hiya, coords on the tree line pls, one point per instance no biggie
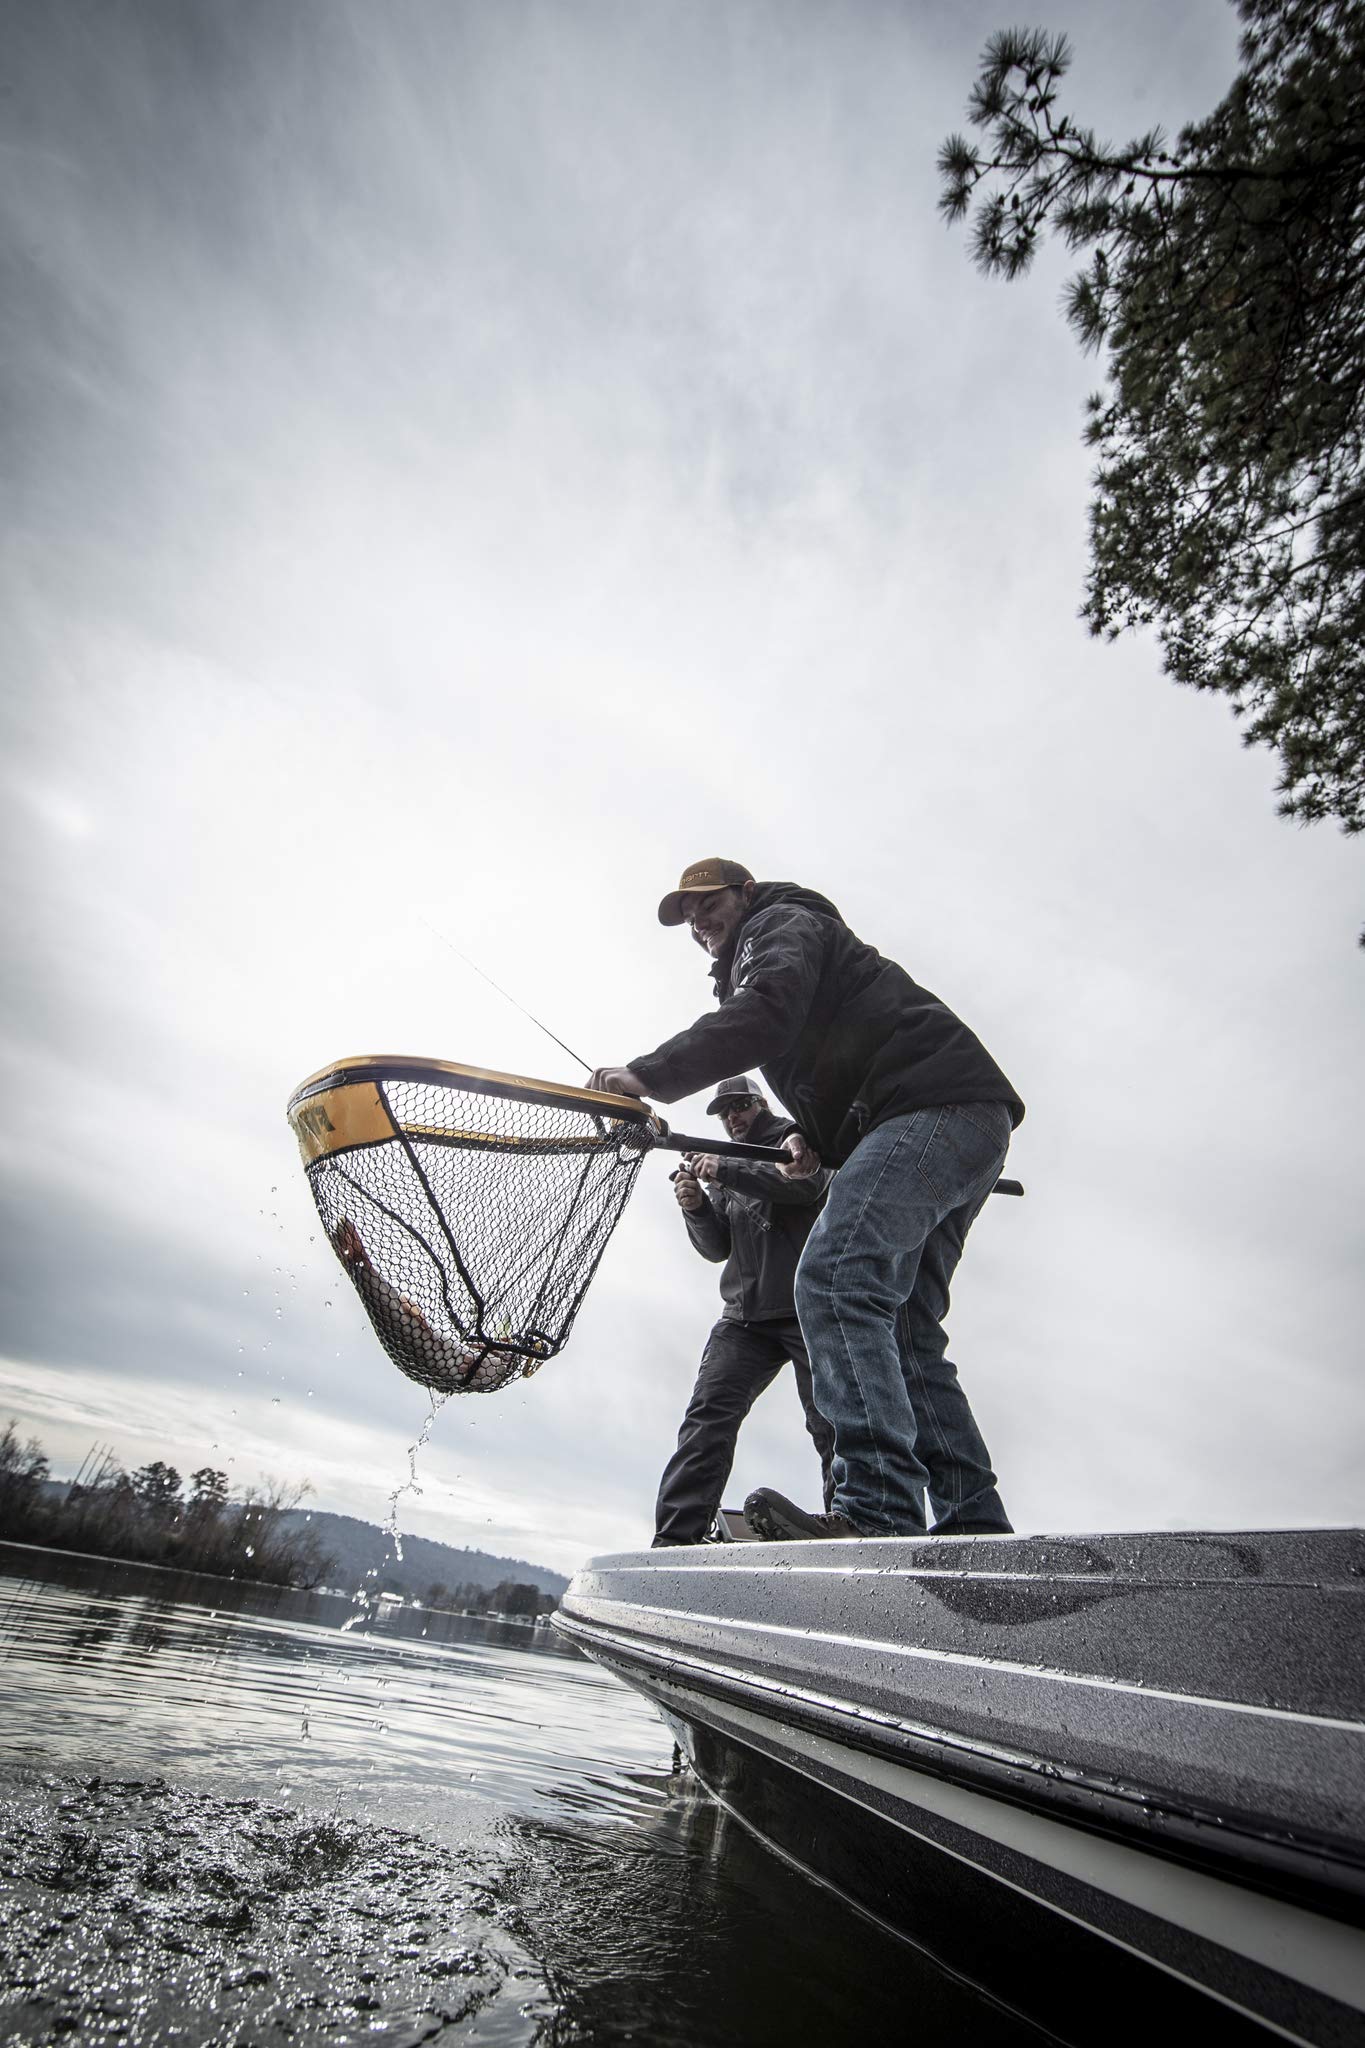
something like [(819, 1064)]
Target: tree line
[(509, 1597), (152, 1516), (149, 1517)]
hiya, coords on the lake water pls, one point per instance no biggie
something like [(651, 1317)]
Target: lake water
[(230, 1818)]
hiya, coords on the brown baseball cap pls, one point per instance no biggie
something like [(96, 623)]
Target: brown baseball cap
[(699, 880)]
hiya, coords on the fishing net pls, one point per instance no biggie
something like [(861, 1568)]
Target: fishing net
[(469, 1209)]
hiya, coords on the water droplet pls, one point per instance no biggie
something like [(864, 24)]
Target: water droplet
[(327, 1304), (279, 1311), (310, 1393), (274, 1400), (251, 1550), (274, 1191)]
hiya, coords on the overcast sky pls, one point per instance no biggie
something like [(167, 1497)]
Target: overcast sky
[(465, 461)]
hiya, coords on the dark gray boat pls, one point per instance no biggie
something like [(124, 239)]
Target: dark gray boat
[(1096, 1776)]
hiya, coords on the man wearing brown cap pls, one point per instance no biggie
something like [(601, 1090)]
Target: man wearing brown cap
[(756, 1219), (887, 1085)]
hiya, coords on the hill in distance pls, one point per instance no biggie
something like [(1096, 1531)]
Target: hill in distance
[(359, 1548)]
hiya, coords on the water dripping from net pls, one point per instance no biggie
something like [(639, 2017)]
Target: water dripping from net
[(412, 1484), (366, 1598)]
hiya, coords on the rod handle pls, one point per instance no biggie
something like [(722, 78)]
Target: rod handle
[(727, 1148)]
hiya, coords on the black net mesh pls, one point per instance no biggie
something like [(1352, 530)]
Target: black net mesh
[(472, 1234)]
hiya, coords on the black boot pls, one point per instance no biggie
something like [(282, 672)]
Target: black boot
[(778, 1520)]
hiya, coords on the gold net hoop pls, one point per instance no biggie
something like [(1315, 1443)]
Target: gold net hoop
[(468, 1207)]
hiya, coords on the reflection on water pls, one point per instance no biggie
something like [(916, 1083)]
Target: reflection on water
[(407, 1716), (229, 1820)]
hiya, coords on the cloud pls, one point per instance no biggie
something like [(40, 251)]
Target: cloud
[(505, 460)]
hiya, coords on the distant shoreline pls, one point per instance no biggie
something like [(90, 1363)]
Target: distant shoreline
[(381, 1602), (155, 1517), (181, 1571)]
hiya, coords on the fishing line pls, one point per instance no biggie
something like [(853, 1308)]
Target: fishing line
[(474, 966)]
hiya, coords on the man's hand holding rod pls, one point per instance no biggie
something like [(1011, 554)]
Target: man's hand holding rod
[(804, 1162)]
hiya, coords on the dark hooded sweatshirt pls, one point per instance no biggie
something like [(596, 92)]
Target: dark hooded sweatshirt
[(758, 1223), (844, 1037)]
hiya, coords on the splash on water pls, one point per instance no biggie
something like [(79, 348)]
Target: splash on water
[(132, 1906)]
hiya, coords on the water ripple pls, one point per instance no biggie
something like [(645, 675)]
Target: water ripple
[(265, 1690)]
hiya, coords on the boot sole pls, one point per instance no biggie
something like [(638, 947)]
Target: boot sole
[(768, 1521), (761, 1519)]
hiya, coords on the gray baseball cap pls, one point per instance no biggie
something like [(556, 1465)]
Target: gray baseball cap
[(739, 1088)]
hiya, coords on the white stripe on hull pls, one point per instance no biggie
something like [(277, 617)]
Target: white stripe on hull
[(628, 1611), (1323, 1955)]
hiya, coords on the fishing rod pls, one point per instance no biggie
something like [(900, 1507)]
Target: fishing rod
[(577, 1057), (771, 1155)]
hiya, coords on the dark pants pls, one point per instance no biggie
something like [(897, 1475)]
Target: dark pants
[(739, 1361)]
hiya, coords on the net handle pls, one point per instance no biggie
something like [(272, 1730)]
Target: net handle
[(771, 1155), (725, 1148)]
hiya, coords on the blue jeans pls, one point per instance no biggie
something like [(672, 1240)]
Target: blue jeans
[(872, 1292)]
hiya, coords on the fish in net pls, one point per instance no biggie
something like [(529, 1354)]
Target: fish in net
[(468, 1208)]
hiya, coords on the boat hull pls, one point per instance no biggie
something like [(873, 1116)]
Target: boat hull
[(1070, 1769)]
